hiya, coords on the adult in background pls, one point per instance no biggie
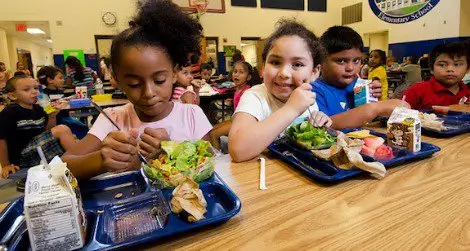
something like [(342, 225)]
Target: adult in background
[(20, 68), (78, 75), (105, 69), (413, 75)]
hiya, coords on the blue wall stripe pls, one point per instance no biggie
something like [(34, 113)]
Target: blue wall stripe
[(418, 48)]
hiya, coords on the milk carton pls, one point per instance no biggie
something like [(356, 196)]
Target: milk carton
[(362, 93), (404, 129), (53, 208), (81, 92)]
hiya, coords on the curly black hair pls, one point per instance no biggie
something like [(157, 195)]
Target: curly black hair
[(290, 27), (340, 38), (163, 24)]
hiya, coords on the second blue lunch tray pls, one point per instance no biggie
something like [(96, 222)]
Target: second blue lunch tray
[(325, 171), (98, 195)]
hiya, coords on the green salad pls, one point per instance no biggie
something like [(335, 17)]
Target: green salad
[(310, 137), (178, 160)]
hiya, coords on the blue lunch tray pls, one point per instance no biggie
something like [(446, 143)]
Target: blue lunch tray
[(222, 204), (455, 126), (325, 171)]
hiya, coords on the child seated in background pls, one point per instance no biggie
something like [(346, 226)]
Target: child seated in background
[(53, 79), (449, 63), (293, 56), (206, 72), (377, 70), (181, 93), (335, 87), (25, 125), (4, 76), (413, 75), (144, 59), (243, 76)]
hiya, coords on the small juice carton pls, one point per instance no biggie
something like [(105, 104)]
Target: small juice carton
[(53, 208), (404, 129), (362, 93), (81, 92)]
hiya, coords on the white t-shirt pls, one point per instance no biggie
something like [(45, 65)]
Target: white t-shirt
[(259, 103)]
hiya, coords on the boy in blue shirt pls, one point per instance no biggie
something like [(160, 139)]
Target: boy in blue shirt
[(339, 74)]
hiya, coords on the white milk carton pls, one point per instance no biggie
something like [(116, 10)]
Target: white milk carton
[(53, 208), (404, 129), (362, 93), (81, 92)]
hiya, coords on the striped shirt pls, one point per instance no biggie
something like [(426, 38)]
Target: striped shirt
[(88, 81), (178, 92)]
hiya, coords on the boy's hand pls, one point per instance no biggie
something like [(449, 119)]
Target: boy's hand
[(301, 98), (9, 168), (319, 119), (376, 89), (150, 141), (385, 108), (119, 151)]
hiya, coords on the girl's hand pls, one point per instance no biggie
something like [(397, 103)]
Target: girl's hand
[(119, 151), (9, 168), (150, 141), (319, 119), (301, 98), (376, 89)]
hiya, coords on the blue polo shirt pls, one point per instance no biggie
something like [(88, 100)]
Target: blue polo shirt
[(331, 99)]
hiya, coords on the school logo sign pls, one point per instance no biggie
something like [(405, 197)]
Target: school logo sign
[(401, 11)]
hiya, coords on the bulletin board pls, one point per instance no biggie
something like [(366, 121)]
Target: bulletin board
[(283, 4)]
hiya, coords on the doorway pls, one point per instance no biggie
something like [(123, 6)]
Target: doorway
[(252, 50), (379, 41), (209, 54), (24, 57)]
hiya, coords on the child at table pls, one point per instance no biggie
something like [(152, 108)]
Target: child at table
[(53, 79), (25, 125), (181, 93), (144, 59), (335, 87), (243, 77), (449, 63), (206, 72), (293, 56), (377, 70)]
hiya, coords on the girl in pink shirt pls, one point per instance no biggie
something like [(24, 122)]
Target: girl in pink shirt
[(243, 76), (180, 88), (144, 59)]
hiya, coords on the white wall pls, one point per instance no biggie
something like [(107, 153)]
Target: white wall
[(4, 57), (378, 41), (40, 55), (82, 20)]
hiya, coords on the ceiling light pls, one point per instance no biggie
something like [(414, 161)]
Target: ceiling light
[(35, 31), (244, 44), (49, 40)]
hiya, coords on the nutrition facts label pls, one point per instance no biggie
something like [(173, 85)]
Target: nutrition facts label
[(53, 225)]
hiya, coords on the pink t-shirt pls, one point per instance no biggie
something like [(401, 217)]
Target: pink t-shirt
[(185, 122), (178, 92), (238, 94)]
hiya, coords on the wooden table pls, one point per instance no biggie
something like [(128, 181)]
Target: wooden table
[(420, 205)]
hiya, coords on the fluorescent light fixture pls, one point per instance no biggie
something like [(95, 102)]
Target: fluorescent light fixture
[(35, 31), (49, 40)]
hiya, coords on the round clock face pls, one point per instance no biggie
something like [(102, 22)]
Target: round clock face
[(109, 18)]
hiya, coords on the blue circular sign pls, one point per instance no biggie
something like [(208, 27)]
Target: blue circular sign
[(401, 11)]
